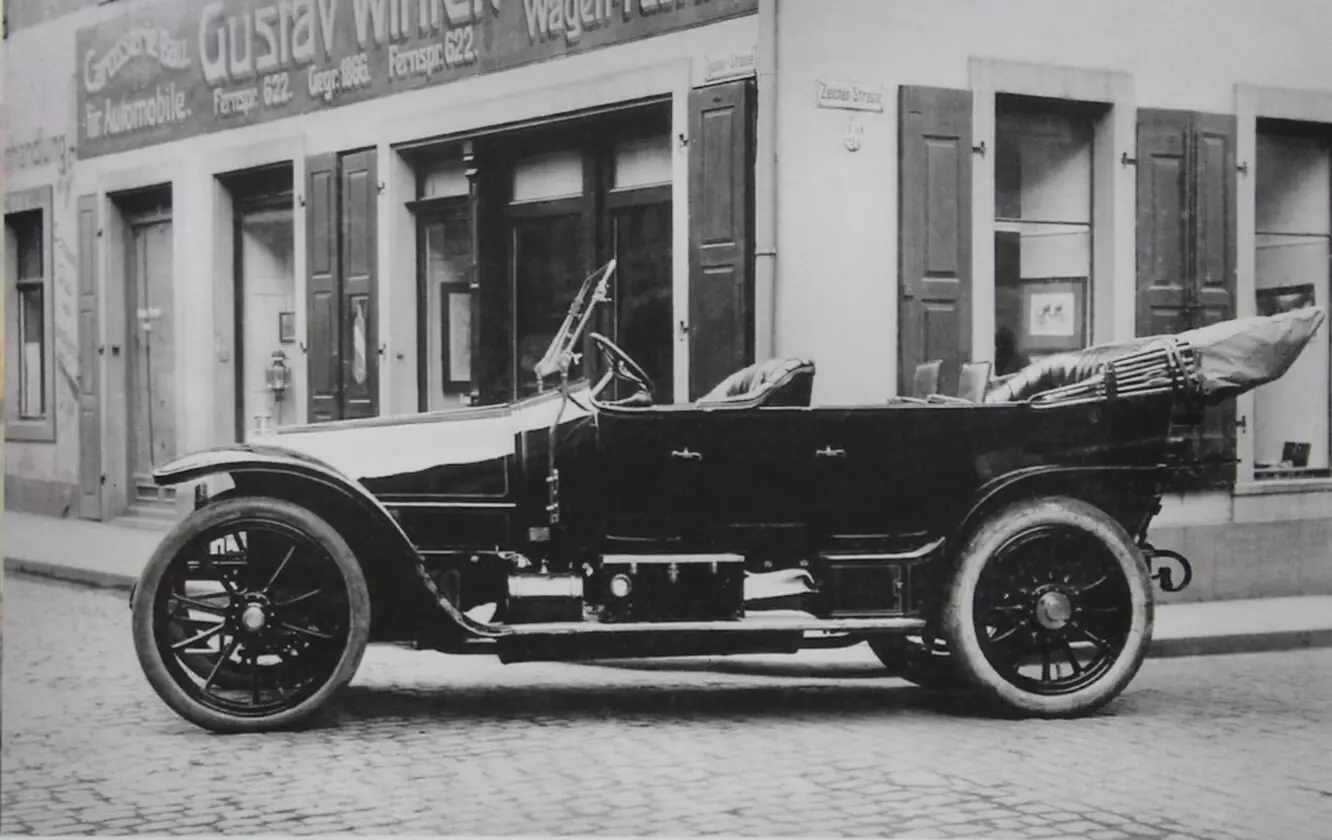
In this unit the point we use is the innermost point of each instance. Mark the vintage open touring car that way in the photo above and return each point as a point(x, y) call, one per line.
point(997, 546)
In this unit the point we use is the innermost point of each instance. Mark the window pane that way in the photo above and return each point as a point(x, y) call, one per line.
point(643, 291)
point(459, 328)
point(1043, 235)
point(556, 175)
point(549, 267)
point(28, 228)
point(1293, 249)
point(1043, 165)
point(448, 256)
point(643, 162)
point(32, 378)
point(268, 289)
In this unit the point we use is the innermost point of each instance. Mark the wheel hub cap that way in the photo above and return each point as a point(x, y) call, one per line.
point(1053, 610)
point(254, 618)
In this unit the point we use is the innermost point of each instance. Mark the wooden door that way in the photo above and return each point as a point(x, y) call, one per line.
point(721, 222)
point(90, 364)
point(934, 232)
point(151, 421)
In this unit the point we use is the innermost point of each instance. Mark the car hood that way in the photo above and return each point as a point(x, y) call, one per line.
point(388, 446)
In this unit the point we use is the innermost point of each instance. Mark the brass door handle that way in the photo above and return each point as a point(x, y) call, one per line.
point(686, 454)
point(829, 452)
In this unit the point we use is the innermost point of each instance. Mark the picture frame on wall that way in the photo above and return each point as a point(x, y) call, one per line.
point(1054, 314)
point(287, 327)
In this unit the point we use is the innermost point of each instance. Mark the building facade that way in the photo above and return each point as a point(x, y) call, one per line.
point(971, 180)
point(239, 214)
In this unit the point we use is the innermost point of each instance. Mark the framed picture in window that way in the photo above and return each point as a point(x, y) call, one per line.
point(287, 327)
point(1054, 314)
point(1280, 299)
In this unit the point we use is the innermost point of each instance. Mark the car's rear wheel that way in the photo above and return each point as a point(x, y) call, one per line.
point(918, 658)
point(1049, 612)
point(251, 615)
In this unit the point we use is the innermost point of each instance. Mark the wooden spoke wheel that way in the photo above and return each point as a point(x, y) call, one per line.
point(1049, 612)
point(251, 614)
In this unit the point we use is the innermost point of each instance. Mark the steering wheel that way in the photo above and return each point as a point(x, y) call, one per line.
point(618, 364)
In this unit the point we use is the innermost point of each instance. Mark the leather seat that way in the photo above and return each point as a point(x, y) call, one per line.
point(776, 382)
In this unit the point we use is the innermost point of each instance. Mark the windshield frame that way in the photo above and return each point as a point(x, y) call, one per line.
point(560, 354)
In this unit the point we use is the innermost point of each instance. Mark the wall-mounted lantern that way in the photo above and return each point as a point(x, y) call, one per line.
point(278, 375)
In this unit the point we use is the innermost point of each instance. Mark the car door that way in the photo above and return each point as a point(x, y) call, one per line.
point(654, 467)
point(760, 461)
point(896, 469)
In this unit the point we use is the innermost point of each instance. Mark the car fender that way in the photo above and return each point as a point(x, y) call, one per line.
point(1127, 493)
point(257, 469)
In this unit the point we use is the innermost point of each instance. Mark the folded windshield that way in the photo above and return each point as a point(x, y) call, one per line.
point(560, 354)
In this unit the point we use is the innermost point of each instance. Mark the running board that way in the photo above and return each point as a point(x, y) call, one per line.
point(744, 625)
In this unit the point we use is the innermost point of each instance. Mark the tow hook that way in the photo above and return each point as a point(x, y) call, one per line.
point(1164, 574)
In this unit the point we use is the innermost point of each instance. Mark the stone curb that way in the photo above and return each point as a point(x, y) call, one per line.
point(1162, 648)
point(69, 574)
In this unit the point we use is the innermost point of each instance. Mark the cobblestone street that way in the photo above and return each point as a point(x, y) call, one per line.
point(819, 744)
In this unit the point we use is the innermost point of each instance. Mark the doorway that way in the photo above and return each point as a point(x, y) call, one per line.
point(150, 347)
point(264, 295)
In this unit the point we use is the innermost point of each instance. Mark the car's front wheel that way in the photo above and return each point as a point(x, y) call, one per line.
point(251, 615)
point(1049, 611)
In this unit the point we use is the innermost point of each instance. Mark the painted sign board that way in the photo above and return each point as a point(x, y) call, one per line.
point(183, 67)
point(849, 96)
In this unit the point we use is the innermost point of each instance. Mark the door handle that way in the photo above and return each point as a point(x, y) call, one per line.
point(686, 454)
point(829, 452)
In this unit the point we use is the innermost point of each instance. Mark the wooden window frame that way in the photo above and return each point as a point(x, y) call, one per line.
point(40, 429)
point(1320, 132)
point(1089, 116)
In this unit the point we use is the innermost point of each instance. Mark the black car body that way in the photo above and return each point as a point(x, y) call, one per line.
point(992, 546)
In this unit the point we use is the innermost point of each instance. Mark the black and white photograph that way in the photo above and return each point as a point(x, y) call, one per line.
point(667, 418)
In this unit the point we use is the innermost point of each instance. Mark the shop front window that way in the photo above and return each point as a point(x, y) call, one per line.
point(640, 222)
point(267, 283)
point(548, 270)
point(447, 240)
point(1293, 251)
point(1043, 232)
point(508, 227)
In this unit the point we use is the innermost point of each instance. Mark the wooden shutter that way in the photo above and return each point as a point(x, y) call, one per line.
point(1214, 270)
point(721, 219)
point(90, 364)
point(322, 356)
point(360, 336)
point(1186, 234)
point(934, 231)
point(1163, 221)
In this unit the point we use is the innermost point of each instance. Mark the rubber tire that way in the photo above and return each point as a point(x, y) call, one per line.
point(960, 631)
point(219, 513)
point(905, 658)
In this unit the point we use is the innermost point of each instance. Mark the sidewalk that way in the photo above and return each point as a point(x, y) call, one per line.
point(112, 556)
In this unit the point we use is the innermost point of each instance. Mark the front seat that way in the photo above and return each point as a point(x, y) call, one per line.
point(777, 382)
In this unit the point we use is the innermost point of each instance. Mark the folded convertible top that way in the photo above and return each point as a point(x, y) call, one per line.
point(1212, 363)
